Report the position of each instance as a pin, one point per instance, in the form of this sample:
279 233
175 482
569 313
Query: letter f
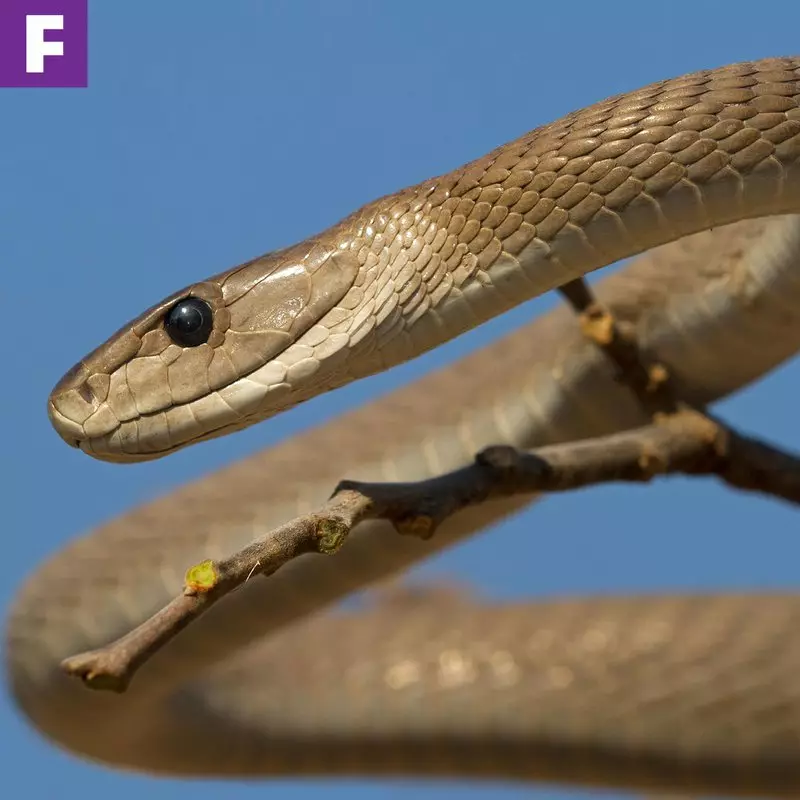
36 48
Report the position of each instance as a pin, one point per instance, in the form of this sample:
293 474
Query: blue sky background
213 132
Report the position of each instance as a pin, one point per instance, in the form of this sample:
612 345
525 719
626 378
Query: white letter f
36 48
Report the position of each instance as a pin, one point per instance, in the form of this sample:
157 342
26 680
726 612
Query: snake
696 179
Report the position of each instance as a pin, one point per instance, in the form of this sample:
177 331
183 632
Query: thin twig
650 382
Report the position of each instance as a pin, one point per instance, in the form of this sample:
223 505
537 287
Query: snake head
214 357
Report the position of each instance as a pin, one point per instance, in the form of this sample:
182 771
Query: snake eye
189 322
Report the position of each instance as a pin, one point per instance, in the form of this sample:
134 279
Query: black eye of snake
189 322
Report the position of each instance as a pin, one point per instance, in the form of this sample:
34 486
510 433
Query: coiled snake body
693 693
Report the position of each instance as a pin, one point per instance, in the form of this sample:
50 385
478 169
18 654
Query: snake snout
71 403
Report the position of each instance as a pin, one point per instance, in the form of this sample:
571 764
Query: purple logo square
43 43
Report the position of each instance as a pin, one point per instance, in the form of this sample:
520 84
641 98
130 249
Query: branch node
330 533
652 463
200 578
421 526
499 457
597 325
659 377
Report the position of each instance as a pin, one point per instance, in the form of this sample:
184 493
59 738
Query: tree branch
681 440
686 442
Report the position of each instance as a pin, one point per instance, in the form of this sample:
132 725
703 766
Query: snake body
691 693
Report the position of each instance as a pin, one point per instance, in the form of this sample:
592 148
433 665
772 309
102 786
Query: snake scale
683 693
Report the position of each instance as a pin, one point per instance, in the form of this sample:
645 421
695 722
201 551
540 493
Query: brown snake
688 693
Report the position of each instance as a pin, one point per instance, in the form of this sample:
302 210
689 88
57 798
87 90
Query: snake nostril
86 393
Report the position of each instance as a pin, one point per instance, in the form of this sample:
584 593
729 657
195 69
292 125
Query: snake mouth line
121 456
